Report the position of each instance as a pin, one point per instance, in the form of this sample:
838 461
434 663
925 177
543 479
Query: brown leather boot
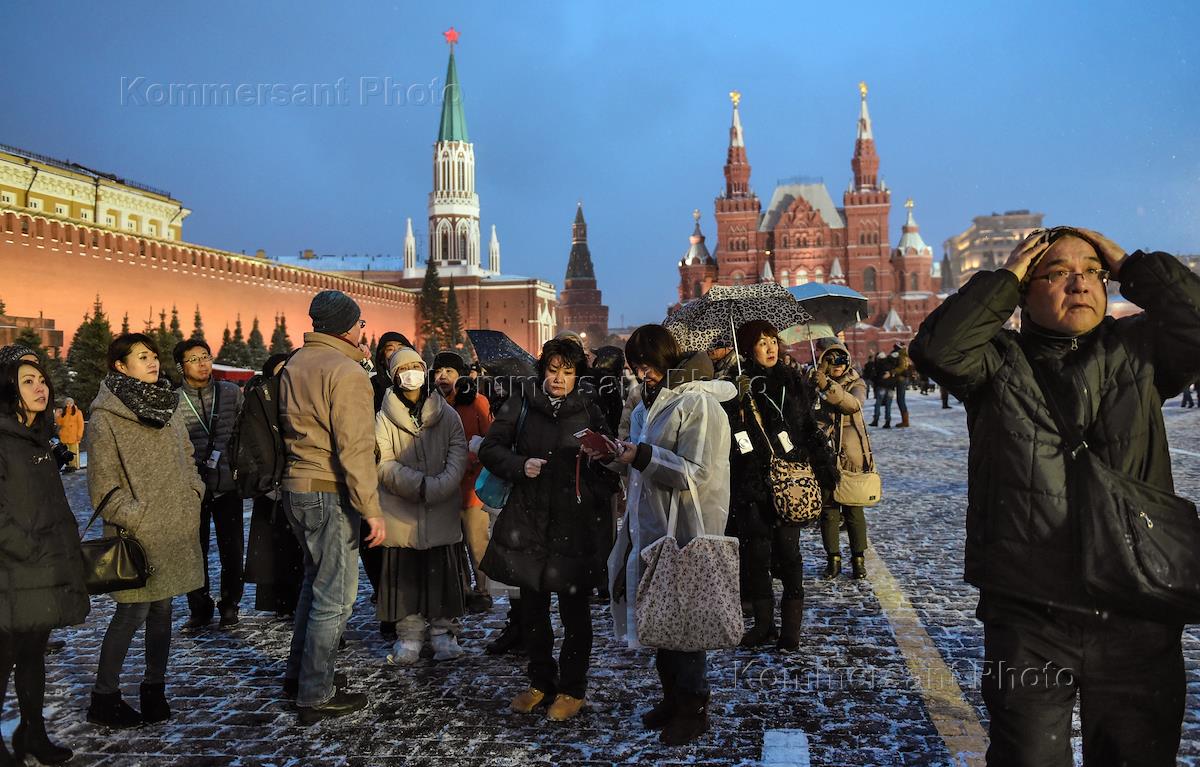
903 421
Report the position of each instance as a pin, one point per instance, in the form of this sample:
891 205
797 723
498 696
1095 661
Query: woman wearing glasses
842 392
142 477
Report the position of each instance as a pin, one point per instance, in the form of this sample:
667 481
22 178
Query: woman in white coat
684 432
422 459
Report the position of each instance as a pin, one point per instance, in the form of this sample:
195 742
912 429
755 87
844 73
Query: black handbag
113 564
1137 542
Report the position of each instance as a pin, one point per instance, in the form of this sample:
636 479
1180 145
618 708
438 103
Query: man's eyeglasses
198 360
1090 276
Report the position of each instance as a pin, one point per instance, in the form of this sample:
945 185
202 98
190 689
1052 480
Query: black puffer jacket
1112 381
546 538
197 406
41 573
751 509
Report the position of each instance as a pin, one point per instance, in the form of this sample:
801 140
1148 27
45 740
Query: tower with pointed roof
697 269
453 203
913 268
738 209
867 203
579 303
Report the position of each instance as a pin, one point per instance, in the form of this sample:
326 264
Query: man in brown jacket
328 426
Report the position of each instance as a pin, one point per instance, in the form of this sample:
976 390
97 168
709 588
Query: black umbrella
500 355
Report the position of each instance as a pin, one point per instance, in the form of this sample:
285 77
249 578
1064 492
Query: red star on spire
451 36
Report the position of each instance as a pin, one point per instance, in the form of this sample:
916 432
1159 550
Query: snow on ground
848 688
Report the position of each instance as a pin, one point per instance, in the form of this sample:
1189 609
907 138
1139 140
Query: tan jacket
843 402
327 406
434 453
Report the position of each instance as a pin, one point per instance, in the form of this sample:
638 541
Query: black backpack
257 454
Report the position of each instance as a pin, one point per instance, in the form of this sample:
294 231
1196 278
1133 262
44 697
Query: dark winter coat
751 508
545 538
1112 381
41 572
381 382
196 406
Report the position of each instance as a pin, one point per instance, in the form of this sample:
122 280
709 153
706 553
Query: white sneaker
445 647
405 652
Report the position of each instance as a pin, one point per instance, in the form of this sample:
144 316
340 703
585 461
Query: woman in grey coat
683 440
142 477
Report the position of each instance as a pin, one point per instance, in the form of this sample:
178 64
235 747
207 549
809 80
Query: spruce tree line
441 321
86 365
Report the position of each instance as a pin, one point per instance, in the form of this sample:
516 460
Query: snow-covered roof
815 195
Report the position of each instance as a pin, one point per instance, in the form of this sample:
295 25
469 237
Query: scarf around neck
152 403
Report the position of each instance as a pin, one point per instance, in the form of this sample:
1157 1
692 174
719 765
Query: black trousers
569 675
372 559
778 553
225 513
856 528
685 672
1127 673
26 652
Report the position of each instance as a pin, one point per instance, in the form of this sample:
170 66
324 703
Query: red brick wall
44 267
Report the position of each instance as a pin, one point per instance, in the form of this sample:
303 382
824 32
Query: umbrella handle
736 354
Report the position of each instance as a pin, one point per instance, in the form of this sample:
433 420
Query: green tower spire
454 120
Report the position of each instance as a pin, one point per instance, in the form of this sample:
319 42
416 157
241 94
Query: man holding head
1047 638
328 424
209 408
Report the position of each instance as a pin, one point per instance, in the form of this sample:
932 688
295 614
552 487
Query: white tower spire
410 247
494 252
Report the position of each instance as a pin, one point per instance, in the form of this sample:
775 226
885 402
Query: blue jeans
901 392
327 528
883 397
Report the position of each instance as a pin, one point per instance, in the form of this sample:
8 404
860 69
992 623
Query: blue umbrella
835 305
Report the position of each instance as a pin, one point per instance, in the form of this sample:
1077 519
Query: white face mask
411 380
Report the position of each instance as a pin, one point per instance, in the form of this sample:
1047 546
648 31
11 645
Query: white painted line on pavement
785 748
938 429
1181 451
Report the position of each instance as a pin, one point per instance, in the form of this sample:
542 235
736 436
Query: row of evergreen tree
79 375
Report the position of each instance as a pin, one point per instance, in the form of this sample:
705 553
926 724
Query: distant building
75 192
986 244
51 338
525 308
803 236
579 303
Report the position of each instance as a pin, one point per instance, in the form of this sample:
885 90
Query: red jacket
476 418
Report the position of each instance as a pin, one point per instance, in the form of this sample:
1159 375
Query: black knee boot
764 630
510 638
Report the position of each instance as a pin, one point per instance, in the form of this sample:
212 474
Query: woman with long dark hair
774 416
545 539
142 477
40 564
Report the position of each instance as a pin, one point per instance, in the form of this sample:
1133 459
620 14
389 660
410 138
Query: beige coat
157 493
326 405
434 453
843 402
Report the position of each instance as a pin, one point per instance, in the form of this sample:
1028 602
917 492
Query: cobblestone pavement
849 687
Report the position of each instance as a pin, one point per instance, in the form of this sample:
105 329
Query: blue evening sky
1086 111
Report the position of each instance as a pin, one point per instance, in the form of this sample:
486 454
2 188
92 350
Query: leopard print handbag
688 597
794 487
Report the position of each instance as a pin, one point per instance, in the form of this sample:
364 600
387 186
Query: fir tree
256 350
197 325
3 308
87 362
454 335
374 346
234 350
433 311
59 376
226 340
176 330
125 324
280 343
166 350
32 339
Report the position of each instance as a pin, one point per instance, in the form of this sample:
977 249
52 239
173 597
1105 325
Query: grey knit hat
333 311
14 352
